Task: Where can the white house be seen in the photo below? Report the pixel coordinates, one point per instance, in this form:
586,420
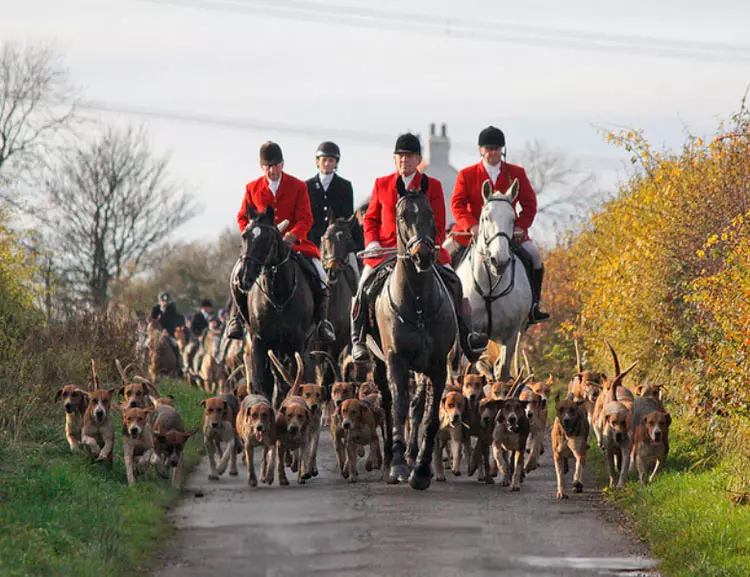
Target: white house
436,163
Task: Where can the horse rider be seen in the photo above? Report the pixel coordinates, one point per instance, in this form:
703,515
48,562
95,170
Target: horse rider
380,232
288,196
166,313
467,202
200,323
331,197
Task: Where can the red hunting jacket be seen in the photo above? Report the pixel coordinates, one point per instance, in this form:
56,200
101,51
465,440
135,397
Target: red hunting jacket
467,200
290,203
380,220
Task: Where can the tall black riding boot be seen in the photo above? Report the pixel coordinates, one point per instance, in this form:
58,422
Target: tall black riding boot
537,315
360,354
472,344
326,332
235,326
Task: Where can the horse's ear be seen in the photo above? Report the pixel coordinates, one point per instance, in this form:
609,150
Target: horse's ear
250,211
486,190
424,185
512,192
351,220
269,212
400,187
330,215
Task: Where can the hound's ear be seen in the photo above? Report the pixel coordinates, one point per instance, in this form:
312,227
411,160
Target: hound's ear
524,404
443,401
550,380
202,403
282,410
486,190
121,391
639,390
148,410
58,395
669,419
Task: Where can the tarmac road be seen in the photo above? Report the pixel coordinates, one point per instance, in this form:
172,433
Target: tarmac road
331,527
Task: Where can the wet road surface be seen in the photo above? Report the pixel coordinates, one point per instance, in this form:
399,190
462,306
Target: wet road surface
331,527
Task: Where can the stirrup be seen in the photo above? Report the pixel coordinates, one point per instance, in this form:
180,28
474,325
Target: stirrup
360,354
537,316
235,330
326,332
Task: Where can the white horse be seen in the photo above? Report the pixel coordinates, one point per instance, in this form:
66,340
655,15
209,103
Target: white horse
493,277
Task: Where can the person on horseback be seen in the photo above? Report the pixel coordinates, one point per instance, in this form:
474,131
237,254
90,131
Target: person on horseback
380,232
200,322
467,202
166,313
288,196
331,197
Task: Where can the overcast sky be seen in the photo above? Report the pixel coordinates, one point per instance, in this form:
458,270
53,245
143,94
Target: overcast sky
219,77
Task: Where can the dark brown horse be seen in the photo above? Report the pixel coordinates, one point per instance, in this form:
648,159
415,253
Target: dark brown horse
417,327
337,246
280,302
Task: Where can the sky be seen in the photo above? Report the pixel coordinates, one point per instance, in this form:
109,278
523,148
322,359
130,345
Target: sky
211,80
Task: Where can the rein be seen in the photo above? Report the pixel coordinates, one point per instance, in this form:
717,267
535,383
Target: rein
489,297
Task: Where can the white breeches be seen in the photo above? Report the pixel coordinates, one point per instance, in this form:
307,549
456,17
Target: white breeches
320,271
354,263
536,258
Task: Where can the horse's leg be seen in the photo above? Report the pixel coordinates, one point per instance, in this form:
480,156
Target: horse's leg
379,375
416,414
398,379
509,345
257,364
422,475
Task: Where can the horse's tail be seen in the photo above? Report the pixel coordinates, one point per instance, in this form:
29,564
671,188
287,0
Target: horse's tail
329,359
96,378
579,363
284,375
527,365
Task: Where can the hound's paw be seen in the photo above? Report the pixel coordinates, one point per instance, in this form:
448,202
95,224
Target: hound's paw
253,482
561,496
368,466
213,477
353,479
360,452
307,476
456,473
505,483
284,482
314,472
233,473
515,487
489,481
440,478
578,487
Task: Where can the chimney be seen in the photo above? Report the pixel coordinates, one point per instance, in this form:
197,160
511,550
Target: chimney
438,147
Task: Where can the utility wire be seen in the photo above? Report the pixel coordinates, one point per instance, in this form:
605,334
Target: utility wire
475,30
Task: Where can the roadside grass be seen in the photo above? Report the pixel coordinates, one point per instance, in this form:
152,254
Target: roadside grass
686,514
63,515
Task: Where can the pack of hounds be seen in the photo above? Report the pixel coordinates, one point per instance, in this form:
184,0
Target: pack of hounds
494,428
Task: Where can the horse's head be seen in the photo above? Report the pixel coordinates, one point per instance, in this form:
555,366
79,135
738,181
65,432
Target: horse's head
337,243
261,241
496,224
415,225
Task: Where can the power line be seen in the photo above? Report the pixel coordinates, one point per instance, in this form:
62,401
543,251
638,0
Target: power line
318,132
474,30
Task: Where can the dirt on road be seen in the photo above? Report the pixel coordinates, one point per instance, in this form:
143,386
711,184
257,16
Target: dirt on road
331,527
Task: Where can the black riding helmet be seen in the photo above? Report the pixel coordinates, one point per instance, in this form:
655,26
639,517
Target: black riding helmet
492,136
328,149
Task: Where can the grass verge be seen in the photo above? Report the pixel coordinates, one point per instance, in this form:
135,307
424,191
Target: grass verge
62,515
686,515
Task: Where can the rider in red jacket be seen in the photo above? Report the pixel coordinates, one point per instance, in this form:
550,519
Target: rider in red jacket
288,196
380,232
467,202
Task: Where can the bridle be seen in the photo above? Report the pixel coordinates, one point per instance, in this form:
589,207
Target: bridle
482,249
270,270
422,319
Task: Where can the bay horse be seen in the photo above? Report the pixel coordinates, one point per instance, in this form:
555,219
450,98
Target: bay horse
280,303
417,327
493,276
163,359
336,246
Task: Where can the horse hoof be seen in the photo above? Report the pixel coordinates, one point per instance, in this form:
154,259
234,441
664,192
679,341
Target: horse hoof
515,488
578,487
418,481
233,473
400,473
345,474
284,482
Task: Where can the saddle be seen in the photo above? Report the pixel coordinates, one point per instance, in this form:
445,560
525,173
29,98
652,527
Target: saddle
460,255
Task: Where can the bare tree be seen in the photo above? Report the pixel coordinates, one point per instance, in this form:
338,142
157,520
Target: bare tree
35,105
108,205
565,190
